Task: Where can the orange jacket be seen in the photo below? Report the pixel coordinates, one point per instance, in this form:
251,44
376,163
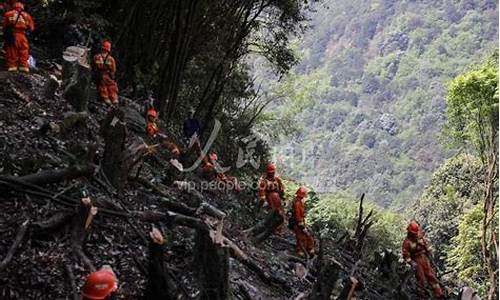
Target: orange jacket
105,63
413,248
267,186
299,211
24,23
152,129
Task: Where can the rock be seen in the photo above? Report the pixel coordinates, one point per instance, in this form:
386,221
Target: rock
387,122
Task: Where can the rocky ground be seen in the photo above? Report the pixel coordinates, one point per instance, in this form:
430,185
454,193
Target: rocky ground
39,132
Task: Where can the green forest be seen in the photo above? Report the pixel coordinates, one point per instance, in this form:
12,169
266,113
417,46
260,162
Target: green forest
364,109
249,149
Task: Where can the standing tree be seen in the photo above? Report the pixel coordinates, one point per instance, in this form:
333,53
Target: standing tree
473,122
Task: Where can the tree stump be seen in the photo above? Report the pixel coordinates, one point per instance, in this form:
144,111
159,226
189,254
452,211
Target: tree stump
76,77
325,282
114,132
212,261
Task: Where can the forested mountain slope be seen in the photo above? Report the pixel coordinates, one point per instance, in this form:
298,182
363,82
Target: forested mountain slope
366,102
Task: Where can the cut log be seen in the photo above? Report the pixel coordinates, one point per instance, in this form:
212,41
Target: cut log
80,231
325,282
262,230
212,262
114,132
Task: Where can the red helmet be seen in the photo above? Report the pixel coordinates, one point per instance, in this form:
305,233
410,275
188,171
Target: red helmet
99,285
175,152
413,228
208,168
301,192
152,112
213,156
19,6
106,45
270,168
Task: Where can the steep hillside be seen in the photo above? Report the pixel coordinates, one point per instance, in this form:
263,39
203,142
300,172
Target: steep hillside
367,99
48,259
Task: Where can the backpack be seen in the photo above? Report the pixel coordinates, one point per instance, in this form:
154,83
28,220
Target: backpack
8,32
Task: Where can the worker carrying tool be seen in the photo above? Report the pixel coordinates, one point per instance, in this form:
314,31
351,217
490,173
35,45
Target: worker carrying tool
16,22
416,252
305,240
105,68
271,191
100,285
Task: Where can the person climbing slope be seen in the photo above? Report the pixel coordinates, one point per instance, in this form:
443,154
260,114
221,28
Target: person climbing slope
100,285
191,129
105,66
16,22
271,190
416,253
151,127
305,240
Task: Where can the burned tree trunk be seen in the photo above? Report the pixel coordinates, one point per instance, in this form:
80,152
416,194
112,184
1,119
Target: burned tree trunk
325,281
114,132
262,230
76,77
55,176
81,222
213,263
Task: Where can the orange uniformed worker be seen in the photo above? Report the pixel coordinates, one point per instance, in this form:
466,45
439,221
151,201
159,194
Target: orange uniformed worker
416,252
213,173
100,285
305,240
152,128
105,65
272,190
15,24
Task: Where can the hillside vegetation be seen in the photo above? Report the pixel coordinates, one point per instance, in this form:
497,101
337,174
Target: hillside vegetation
365,106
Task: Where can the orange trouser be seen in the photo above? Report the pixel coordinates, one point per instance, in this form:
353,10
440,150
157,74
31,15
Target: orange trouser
108,90
424,272
305,241
274,201
17,55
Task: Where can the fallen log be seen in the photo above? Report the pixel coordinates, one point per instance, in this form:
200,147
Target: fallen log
171,205
15,244
262,230
55,176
